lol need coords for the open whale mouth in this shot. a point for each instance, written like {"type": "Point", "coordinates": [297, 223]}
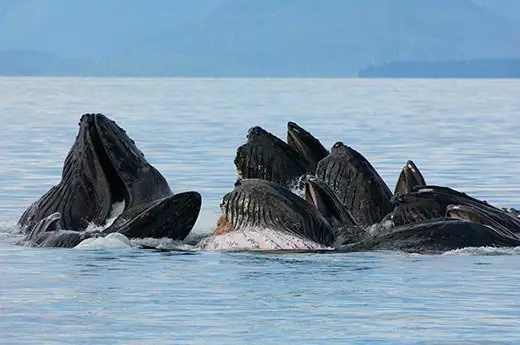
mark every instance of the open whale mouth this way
{"type": "Point", "coordinates": [306, 144]}
{"type": "Point", "coordinates": [117, 187]}
{"type": "Point", "coordinates": [294, 137]}
{"type": "Point", "coordinates": [461, 212]}
{"type": "Point", "coordinates": [311, 194]}
{"type": "Point", "coordinates": [314, 194]}
{"type": "Point", "coordinates": [106, 145]}
{"type": "Point", "coordinates": [472, 214]}
{"type": "Point", "coordinates": [317, 193]}
{"type": "Point", "coordinates": [409, 178]}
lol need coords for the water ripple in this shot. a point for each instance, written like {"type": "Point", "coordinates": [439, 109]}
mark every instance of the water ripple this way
{"type": "Point", "coordinates": [461, 133]}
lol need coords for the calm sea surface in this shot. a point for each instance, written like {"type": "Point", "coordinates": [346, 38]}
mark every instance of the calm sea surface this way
{"type": "Point", "coordinates": [461, 133]}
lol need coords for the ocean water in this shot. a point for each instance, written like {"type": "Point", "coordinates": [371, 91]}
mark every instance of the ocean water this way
{"type": "Point", "coordinates": [460, 133]}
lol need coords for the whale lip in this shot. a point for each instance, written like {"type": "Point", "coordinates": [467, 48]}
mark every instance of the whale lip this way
{"type": "Point", "coordinates": [49, 223]}
{"type": "Point", "coordinates": [173, 217]}
{"type": "Point", "coordinates": [319, 194]}
{"type": "Point", "coordinates": [480, 216]}
{"type": "Point", "coordinates": [409, 178]}
{"type": "Point", "coordinates": [452, 211]}
{"type": "Point", "coordinates": [105, 140]}
{"type": "Point", "coordinates": [305, 143]}
{"type": "Point", "coordinates": [310, 191]}
{"type": "Point", "coordinates": [464, 212]}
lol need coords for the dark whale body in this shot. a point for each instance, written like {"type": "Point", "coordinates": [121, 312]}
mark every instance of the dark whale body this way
{"type": "Point", "coordinates": [409, 178]}
{"type": "Point", "coordinates": [305, 143]}
{"type": "Point", "coordinates": [104, 167]}
{"type": "Point", "coordinates": [434, 236]}
{"type": "Point", "coordinates": [429, 202]}
{"type": "Point", "coordinates": [267, 157]}
{"type": "Point", "coordinates": [173, 217]}
{"type": "Point", "coordinates": [320, 195]}
{"type": "Point", "coordinates": [356, 183]}
{"type": "Point", "coordinates": [264, 204]}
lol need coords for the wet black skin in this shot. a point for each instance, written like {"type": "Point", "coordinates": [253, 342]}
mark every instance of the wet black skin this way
{"type": "Point", "coordinates": [47, 233]}
{"type": "Point", "coordinates": [267, 157]}
{"type": "Point", "coordinates": [103, 167]}
{"type": "Point", "coordinates": [305, 143]}
{"type": "Point", "coordinates": [47, 224]}
{"type": "Point", "coordinates": [409, 178]}
{"type": "Point", "coordinates": [429, 202]}
{"type": "Point", "coordinates": [319, 194]}
{"type": "Point", "coordinates": [356, 183]}
{"type": "Point", "coordinates": [61, 238]}
{"type": "Point", "coordinates": [434, 236]}
{"type": "Point", "coordinates": [173, 217]}
{"type": "Point", "coordinates": [261, 203]}
{"type": "Point", "coordinates": [472, 214]}
{"type": "Point", "coordinates": [414, 207]}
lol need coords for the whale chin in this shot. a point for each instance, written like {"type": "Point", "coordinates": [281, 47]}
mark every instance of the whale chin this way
{"type": "Point", "coordinates": [256, 203]}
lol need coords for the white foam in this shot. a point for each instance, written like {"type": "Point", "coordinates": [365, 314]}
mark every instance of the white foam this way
{"type": "Point", "coordinates": [164, 243]}
{"type": "Point", "coordinates": [376, 228]}
{"type": "Point", "coordinates": [295, 188]}
{"type": "Point", "coordinates": [91, 227]}
{"type": "Point", "coordinates": [111, 241]}
{"type": "Point", "coordinates": [115, 211]}
{"type": "Point", "coordinates": [10, 231]}
{"type": "Point", "coordinates": [483, 251]}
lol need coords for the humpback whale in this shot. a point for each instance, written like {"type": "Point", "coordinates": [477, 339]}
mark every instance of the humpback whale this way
{"type": "Point", "coordinates": [321, 196]}
{"type": "Point", "coordinates": [434, 236]}
{"type": "Point", "coordinates": [260, 214]}
{"type": "Point", "coordinates": [409, 178]}
{"type": "Point", "coordinates": [47, 233]}
{"type": "Point", "coordinates": [361, 211]}
{"type": "Point", "coordinates": [104, 167]}
{"type": "Point", "coordinates": [429, 202]}
{"type": "Point", "coordinates": [356, 183]}
{"type": "Point", "coordinates": [172, 217]}
{"type": "Point", "coordinates": [305, 143]}
{"type": "Point", "coordinates": [267, 157]}
{"type": "Point", "coordinates": [472, 214]}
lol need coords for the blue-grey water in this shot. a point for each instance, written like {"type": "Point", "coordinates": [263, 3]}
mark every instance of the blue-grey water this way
{"type": "Point", "coordinates": [461, 133]}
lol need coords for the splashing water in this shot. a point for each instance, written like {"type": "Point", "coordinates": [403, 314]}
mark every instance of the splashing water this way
{"type": "Point", "coordinates": [116, 210]}
{"type": "Point", "coordinates": [164, 243]}
{"type": "Point", "coordinates": [111, 241]}
{"type": "Point", "coordinates": [483, 251]}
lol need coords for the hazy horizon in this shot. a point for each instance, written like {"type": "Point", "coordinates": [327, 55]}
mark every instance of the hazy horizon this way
{"type": "Point", "coordinates": [271, 38]}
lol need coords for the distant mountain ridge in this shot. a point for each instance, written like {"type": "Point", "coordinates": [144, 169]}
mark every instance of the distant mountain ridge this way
{"type": "Point", "coordinates": [453, 69]}
{"type": "Point", "coordinates": [245, 38]}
